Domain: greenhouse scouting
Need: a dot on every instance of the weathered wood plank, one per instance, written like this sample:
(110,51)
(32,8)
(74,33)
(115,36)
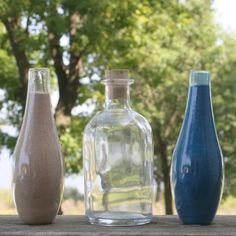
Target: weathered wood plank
(77,225)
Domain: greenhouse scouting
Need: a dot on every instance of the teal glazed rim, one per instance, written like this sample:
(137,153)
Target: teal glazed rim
(199,77)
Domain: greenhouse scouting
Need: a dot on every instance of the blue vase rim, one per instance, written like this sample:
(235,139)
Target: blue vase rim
(199,77)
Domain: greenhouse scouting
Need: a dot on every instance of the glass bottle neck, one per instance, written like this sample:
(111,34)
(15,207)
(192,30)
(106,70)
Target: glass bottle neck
(39,80)
(117,96)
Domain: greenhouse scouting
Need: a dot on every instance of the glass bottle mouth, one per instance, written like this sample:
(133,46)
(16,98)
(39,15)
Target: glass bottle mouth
(199,78)
(39,80)
(39,73)
(118,82)
(117,77)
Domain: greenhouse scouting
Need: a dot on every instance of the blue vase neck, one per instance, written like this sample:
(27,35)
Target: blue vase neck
(199,105)
(198,129)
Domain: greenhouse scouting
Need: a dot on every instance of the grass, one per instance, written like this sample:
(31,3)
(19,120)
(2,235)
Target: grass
(6,202)
(71,207)
(228,206)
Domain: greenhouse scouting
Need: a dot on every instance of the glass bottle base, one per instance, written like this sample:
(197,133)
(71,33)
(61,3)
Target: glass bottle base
(119,219)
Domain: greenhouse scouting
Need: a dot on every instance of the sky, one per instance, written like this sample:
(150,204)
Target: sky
(224,15)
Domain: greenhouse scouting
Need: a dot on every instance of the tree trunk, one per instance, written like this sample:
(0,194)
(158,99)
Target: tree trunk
(68,76)
(62,119)
(16,41)
(161,148)
(167,189)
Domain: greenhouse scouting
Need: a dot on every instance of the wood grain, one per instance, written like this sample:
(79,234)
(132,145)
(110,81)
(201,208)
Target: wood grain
(78,225)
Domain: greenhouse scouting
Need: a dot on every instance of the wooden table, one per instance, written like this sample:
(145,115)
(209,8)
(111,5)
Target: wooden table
(77,225)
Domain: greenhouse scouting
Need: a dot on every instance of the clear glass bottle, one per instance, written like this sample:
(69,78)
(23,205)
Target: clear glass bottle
(118,159)
(38,169)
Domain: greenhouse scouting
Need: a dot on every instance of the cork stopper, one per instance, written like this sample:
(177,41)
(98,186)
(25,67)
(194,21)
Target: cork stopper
(117,74)
(117,82)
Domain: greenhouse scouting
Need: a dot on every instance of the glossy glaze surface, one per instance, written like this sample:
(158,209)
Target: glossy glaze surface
(38,169)
(197,165)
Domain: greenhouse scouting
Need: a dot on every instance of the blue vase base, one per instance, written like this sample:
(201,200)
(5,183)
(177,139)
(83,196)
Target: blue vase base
(196,221)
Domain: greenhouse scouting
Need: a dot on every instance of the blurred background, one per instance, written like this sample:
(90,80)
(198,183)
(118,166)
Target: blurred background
(159,41)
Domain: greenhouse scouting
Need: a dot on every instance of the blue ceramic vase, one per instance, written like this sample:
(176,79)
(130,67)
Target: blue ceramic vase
(197,172)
